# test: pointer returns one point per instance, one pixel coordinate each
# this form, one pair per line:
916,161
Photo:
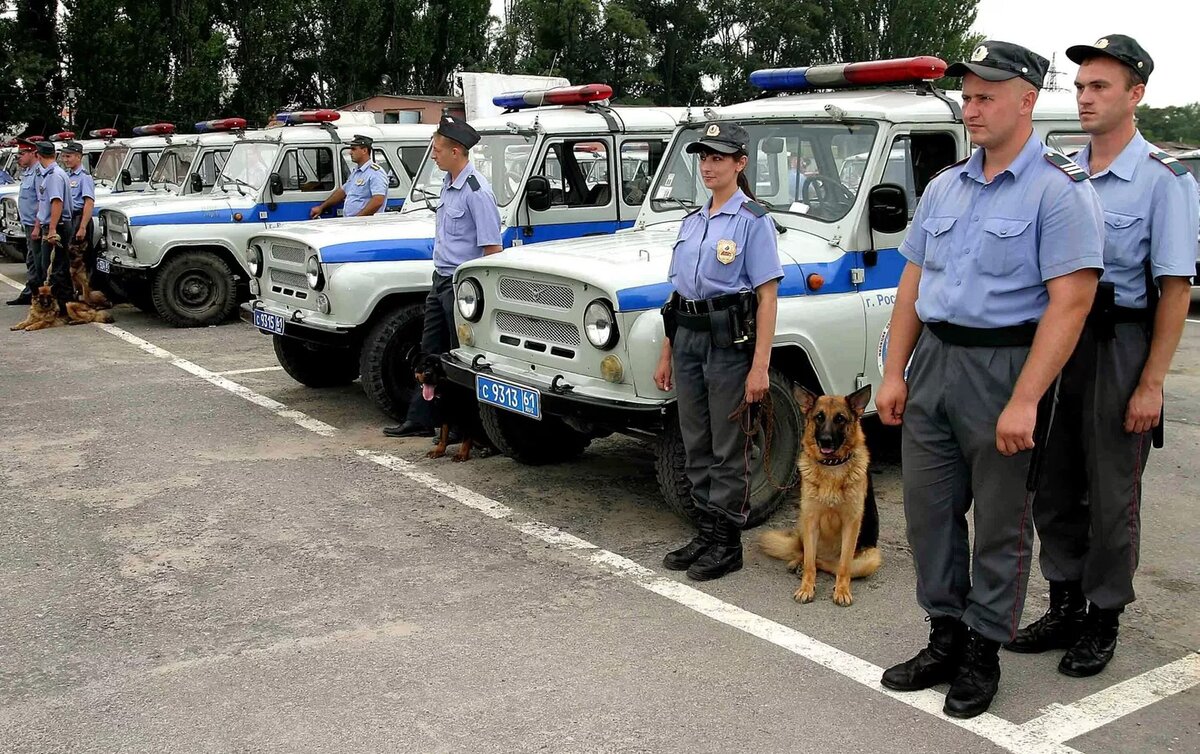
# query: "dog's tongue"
427,392
827,451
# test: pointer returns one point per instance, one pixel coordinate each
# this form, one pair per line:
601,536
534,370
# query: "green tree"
776,33
1180,123
852,30
680,33
30,82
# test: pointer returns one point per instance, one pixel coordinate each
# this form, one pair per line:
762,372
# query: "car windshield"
500,158
802,168
109,165
173,166
249,164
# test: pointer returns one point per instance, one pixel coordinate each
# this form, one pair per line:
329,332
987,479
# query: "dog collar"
834,461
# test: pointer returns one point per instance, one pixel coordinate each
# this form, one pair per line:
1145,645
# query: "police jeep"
344,299
183,255
560,341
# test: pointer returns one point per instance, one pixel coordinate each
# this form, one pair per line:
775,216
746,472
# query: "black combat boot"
974,686
1095,647
725,555
1060,627
934,664
681,559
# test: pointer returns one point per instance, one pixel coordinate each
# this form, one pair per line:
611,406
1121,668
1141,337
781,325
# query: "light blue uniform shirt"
731,251
467,220
1149,212
365,181
82,187
987,248
27,197
51,185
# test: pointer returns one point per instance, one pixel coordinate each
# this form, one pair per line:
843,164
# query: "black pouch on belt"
670,320
722,327
1101,317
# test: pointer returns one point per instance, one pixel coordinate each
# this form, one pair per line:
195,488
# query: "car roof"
583,119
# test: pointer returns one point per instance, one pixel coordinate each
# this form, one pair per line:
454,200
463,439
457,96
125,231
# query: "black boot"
681,559
725,556
934,664
24,299
1060,627
408,429
1095,647
974,686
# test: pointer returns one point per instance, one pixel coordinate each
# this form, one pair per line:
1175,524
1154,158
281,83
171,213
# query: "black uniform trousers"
1088,508
33,252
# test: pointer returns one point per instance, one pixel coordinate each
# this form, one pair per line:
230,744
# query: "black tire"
315,365
133,290
386,361
194,289
529,441
765,493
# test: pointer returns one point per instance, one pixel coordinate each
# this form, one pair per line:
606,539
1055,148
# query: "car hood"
385,237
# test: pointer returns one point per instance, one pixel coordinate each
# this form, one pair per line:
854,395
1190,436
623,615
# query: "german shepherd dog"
79,277
43,312
452,406
838,527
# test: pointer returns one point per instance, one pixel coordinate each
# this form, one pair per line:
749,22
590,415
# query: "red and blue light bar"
870,73
155,129
104,133
307,116
562,95
63,136
221,124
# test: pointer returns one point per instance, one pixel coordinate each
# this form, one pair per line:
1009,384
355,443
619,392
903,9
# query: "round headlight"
470,300
254,258
323,303
600,325
312,270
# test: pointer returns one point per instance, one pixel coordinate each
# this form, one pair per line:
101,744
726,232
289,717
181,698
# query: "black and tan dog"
79,277
838,527
452,406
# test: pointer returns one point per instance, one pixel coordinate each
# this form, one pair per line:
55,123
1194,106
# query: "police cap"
994,60
457,129
25,145
45,148
72,147
721,136
362,141
1123,48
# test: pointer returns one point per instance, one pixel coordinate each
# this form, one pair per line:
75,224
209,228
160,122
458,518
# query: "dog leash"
749,418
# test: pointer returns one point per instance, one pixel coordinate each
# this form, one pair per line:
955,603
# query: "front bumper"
565,402
294,325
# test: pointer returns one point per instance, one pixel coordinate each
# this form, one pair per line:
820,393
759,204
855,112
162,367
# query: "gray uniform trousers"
33,250
1088,509
710,383
950,461
437,336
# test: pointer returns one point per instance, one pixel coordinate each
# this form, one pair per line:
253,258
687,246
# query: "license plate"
103,265
521,400
272,323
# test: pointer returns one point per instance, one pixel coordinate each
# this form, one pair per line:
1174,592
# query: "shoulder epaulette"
958,164
1172,164
754,208
473,182
375,166
1064,163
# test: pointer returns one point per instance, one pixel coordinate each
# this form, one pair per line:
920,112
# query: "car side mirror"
197,183
537,193
275,182
887,208
126,177
393,182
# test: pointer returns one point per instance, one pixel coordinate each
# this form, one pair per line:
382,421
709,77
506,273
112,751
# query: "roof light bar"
563,95
63,136
307,116
155,129
222,124
870,73
35,137
104,133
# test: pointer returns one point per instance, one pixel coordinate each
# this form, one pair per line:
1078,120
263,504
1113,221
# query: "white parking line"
233,372
1044,734
1194,321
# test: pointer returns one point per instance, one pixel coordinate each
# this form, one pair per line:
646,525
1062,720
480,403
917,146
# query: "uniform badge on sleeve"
726,251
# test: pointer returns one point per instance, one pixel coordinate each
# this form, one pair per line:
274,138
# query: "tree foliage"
1171,124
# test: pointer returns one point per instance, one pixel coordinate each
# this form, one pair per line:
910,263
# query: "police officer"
1088,508
365,189
467,227
83,190
720,324
52,225
1004,253
27,206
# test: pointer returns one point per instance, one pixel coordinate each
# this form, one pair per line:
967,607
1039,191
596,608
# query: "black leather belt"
984,337
707,305
1122,314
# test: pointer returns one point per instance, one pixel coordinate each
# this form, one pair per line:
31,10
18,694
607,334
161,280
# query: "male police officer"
1003,258
83,189
27,205
468,227
365,190
53,224
1087,511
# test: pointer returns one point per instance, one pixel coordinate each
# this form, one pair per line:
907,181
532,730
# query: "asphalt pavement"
197,554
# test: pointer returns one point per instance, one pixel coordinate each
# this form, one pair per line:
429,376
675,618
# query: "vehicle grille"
529,291
536,327
290,279
285,253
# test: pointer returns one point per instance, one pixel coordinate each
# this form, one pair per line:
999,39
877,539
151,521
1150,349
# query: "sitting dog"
43,312
79,277
452,406
838,527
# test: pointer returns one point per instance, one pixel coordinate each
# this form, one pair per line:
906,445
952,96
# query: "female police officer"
720,322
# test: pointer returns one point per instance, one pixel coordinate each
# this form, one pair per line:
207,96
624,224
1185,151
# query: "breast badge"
726,251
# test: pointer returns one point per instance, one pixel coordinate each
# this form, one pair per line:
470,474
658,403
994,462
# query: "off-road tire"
316,365
194,289
529,441
385,363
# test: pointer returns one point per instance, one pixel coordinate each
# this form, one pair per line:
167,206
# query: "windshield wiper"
687,208
426,196
237,183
